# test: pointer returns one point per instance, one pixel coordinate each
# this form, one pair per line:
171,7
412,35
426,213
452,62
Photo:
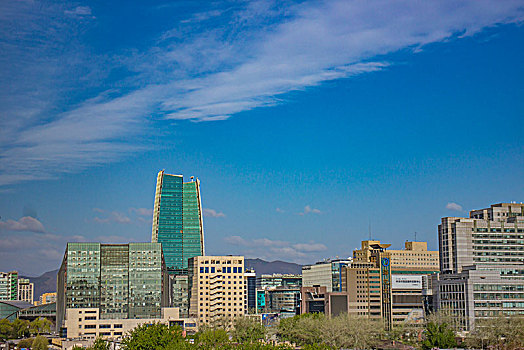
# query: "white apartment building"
216,288
25,290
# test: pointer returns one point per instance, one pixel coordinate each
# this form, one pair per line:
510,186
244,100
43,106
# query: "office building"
25,290
177,220
387,284
250,291
267,281
120,281
179,293
9,285
482,264
89,323
473,295
283,301
491,238
216,288
46,298
325,273
319,300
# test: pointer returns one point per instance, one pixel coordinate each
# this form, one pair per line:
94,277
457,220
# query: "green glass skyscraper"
177,220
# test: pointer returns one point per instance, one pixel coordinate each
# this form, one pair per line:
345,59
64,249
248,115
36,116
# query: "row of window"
225,269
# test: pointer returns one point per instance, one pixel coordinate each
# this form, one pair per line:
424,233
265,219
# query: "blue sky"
305,121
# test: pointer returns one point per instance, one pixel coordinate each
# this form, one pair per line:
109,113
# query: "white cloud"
309,210
79,11
310,247
278,210
270,249
27,223
111,217
142,211
248,60
453,206
213,213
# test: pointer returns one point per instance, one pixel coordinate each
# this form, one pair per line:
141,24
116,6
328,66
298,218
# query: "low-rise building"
267,281
88,323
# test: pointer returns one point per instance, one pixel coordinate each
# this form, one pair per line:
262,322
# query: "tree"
152,336
248,330
6,329
40,343
99,344
20,329
439,336
209,337
302,329
40,325
497,332
25,343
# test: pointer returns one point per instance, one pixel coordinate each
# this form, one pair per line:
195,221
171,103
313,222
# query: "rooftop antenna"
369,229
415,236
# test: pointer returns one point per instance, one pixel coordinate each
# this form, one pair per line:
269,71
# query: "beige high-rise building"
387,284
216,288
25,290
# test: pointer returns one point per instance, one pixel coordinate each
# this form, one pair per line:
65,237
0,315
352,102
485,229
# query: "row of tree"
23,328
316,331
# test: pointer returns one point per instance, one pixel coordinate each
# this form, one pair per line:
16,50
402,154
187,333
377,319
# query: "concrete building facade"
388,284
88,323
482,265
25,290
216,288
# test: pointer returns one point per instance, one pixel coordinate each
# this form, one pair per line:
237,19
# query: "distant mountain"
270,267
43,284
47,282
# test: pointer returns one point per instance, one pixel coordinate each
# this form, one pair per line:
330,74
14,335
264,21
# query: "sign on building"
406,282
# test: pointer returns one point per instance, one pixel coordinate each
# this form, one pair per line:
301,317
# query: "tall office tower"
119,281
177,220
482,264
216,288
25,290
9,285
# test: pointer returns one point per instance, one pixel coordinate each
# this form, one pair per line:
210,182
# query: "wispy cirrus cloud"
210,66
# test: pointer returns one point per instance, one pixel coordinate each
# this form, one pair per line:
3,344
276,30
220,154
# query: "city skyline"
309,125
